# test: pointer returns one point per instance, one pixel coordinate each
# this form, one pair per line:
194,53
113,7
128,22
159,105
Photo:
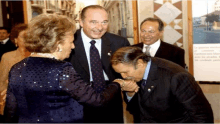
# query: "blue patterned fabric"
44,90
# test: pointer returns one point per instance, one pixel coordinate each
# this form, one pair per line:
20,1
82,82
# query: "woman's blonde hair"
46,31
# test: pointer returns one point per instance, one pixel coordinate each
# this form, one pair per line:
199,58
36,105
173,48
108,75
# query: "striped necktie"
147,52
143,84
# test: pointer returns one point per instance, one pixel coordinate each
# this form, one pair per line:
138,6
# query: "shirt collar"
87,40
147,70
5,40
156,44
153,47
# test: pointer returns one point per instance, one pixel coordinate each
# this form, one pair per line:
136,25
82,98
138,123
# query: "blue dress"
45,90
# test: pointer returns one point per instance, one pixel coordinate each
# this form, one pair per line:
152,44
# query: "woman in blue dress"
43,88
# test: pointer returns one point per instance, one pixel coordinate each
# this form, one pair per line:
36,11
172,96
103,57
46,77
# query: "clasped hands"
128,85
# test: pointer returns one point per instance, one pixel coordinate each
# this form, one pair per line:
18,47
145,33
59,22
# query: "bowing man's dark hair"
129,55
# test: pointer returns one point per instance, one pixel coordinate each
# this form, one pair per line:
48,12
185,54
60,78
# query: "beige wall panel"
185,31
145,9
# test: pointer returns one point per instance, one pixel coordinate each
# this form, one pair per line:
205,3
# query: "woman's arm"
10,110
81,91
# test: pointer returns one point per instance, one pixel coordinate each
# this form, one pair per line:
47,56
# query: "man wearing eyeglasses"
93,49
151,30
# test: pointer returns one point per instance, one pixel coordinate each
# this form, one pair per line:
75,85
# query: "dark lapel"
106,54
9,46
80,52
161,50
152,80
139,45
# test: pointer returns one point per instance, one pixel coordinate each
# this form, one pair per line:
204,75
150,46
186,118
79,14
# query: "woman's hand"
3,94
127,85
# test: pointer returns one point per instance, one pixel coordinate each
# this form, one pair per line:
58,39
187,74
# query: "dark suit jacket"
110,43
9,46
171,95
45,90
169,52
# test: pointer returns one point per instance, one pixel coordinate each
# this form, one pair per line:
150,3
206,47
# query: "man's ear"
81,22
140,63
161,33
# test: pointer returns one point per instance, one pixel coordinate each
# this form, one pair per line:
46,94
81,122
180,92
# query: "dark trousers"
111,113
1,119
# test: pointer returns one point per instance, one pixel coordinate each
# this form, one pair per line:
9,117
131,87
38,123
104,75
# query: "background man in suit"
5,43
151,31
167,93
94,22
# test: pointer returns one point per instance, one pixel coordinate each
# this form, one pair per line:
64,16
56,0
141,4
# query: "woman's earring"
59,50
16,43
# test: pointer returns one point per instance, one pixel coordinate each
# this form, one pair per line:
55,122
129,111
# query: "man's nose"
123,76
146,34
99,26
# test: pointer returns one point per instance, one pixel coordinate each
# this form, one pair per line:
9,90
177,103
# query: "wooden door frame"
135,21
190,36
25,11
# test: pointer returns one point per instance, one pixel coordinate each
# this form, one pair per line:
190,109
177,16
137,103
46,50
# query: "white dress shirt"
153,47
86,42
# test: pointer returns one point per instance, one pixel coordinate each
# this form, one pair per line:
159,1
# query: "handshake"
129,86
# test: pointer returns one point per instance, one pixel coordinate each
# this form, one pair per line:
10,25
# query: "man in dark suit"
6,44
167,93
151,30
94,23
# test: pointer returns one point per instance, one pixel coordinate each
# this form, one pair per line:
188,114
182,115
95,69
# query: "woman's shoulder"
40,62
47,62
58,62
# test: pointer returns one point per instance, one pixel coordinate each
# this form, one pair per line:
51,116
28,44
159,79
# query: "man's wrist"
130,93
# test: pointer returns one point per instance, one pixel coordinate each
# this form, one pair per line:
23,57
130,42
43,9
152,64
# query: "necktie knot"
143,84
147,50
93,42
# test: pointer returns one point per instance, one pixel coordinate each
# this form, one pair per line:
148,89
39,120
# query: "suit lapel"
161,50
106,54
80,52
152,81
139,45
